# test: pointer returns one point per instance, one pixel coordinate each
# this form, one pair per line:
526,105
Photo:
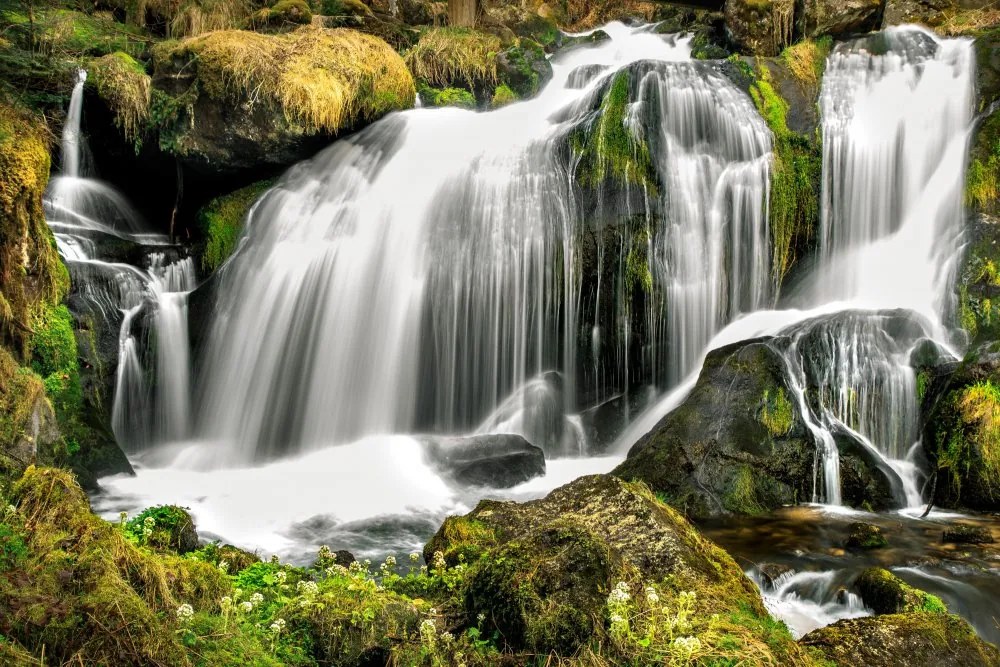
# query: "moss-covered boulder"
562,574
965,534
865,536
124,86
962,432
232,100
166,527
919,640
221,222
978,278
816,18
737,444
27,421
885,593
760,27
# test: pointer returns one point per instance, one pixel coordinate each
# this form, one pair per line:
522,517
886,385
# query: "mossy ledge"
221,221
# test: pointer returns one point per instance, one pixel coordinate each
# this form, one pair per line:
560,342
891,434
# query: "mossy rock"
282,14
447,97
864,537
542,571
172,527
885,593
838,18
523,69
237,101
760,27
235,559
963,534
124,86
919,639
221,221
737,444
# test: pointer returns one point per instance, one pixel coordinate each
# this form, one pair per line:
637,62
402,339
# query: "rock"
223,112
885,593
602,424
343,557
543,570
865,477
524,69
572,42
918,639
865,536
962,401
760,27
772,572
838,18
497,461
978,289
928,12
963,534
737,443
173,528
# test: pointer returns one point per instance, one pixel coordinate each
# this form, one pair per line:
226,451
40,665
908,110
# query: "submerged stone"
963,534
498,461
865,536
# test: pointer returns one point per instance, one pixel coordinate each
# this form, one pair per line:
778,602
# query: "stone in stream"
865,536
885,593
963,534
496,460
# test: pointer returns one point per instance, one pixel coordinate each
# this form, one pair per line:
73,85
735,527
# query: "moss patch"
503,96
607,149
125,87
221,220
777,413
982,181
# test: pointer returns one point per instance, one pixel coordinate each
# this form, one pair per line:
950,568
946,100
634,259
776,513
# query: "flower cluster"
147,528
184,614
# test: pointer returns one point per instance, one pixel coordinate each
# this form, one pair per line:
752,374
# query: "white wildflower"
184,613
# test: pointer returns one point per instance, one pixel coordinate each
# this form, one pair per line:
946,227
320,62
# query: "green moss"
123,84
968,439
777,413
748,495
607,149
983,177
54,357
885,593
447,97
503,96
865,536
221,221
637,272
291,12
795,178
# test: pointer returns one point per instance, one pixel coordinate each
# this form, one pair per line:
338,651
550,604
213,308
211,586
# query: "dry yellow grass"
324,80
966,21
125,87
446,57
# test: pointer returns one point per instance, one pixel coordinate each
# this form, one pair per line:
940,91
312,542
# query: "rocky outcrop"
760,27
737,444
223,107
551,574
928,12
926,640
837,17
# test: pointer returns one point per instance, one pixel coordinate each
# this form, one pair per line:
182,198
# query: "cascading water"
91,223
415,276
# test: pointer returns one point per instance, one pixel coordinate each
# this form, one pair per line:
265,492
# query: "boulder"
497,461
928,12
223,107
838,18
760,27
737,444
544,573
885,593
919,639
864,536
963,534
524,68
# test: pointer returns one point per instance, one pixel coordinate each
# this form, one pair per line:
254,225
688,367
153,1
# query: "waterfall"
95,227
428,273
896,108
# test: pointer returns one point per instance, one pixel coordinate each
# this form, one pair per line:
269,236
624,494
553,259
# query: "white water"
807,601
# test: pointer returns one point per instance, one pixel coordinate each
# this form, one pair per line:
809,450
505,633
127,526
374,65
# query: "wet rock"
524,68
838,17
602,424
772,572
865,536
737,444
498,461
544,569
916,639
928,12
962,534
571,42
760,27
866,480
885,593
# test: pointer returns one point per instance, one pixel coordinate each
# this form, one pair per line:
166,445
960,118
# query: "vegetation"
795,174
284,12
125,87
969,21
502,96
447,97
777,413
807,61
982,184
885,593
968,441
449,57
221,220
608,149
322,80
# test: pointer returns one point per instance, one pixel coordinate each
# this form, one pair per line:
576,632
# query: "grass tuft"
124,85
446,57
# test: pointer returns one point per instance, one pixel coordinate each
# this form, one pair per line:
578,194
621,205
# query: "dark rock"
962,534
865,536
772,572
571,42
865,477
837,17
803,100
928,12
497,460
524,68
602,424
760,27
737,443
343,557
916,639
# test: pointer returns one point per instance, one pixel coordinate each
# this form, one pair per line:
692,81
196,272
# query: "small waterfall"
95,227
422,274
806,601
